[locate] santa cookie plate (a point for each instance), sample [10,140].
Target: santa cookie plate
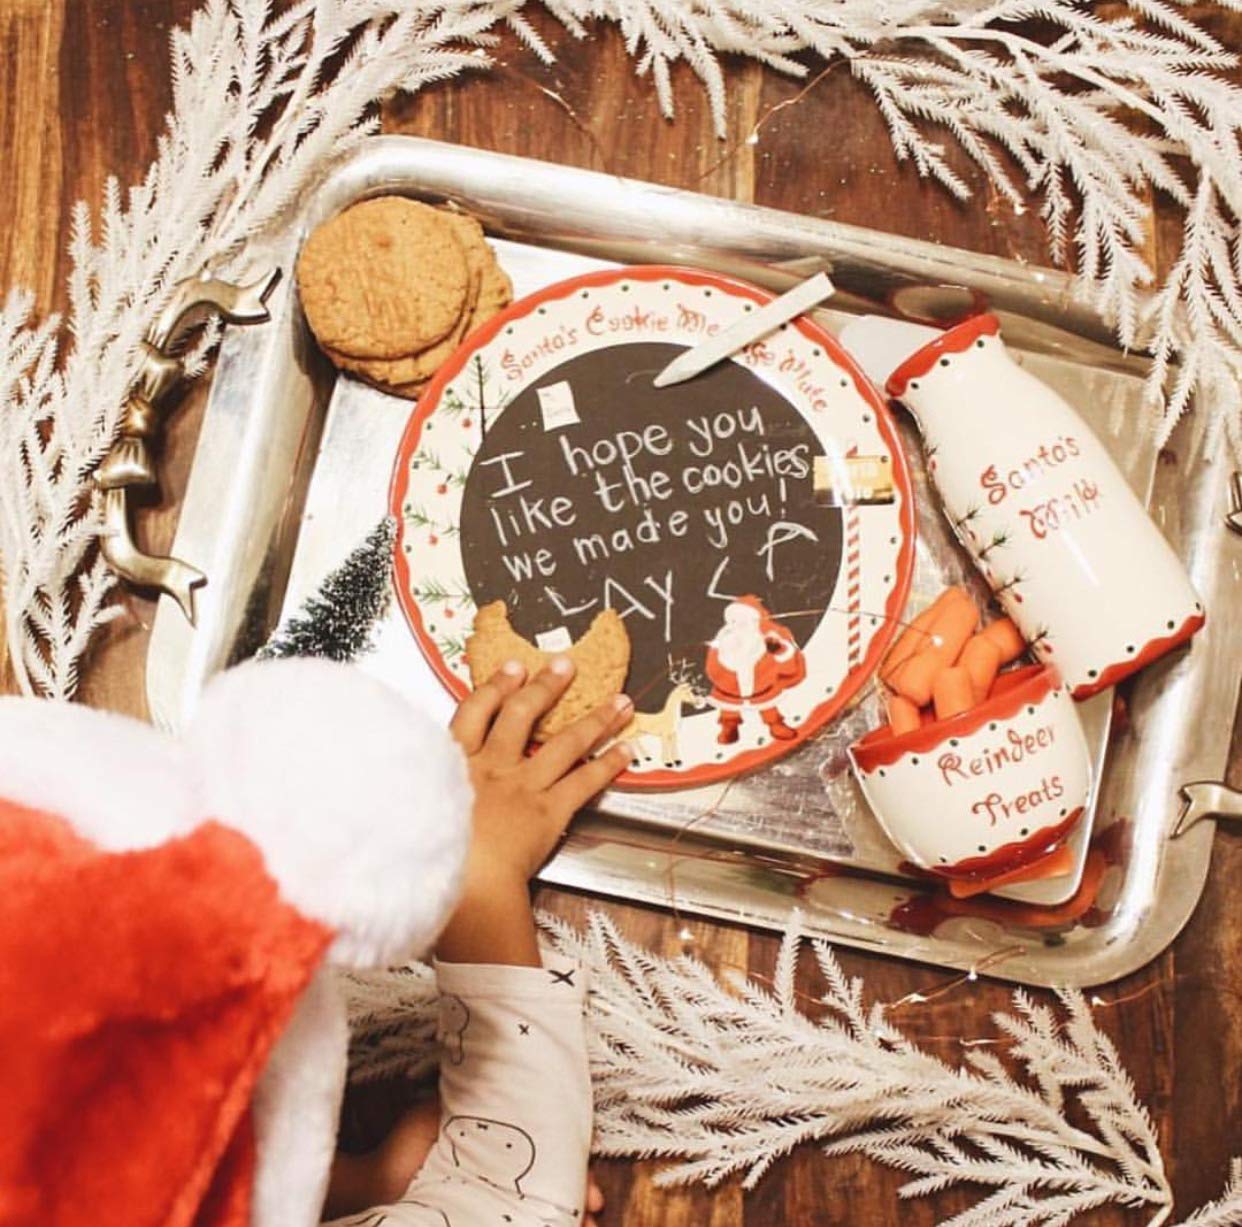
[753,526]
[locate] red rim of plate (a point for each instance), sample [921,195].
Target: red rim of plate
[854,679]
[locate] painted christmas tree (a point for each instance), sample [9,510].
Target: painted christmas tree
[338,620]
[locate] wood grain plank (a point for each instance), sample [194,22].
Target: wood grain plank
[589,109]
[115,92]
[1204,1046]
[85,96]
[823,150]
[1201,1043]
[1202,1125]
[30,147]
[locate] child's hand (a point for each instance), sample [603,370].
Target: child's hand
[522,803]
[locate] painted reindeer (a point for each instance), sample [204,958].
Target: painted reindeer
[666,723]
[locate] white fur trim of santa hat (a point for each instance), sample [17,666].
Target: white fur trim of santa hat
[119,783]
[296,1107]
[359,802]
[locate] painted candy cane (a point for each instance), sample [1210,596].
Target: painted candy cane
[853,576]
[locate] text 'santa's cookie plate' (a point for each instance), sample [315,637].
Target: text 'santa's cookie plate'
[753,528]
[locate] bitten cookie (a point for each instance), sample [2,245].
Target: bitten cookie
[601,657]
[356,274]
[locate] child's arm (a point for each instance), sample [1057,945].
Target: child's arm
[510,1031]
[522,805]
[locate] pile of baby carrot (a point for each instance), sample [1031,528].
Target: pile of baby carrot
[944,664]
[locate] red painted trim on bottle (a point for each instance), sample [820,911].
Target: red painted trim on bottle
[954,340]
[1152,650]
[1013,690]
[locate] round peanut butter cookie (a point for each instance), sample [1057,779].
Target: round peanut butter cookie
[408,391]
[602,657]
[391,374]
[388,373]
[469,231]
[384,279]
[495,292]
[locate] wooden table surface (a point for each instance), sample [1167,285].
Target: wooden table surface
[85,88]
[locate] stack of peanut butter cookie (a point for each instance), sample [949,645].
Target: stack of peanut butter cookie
[390,287]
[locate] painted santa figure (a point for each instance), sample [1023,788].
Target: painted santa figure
[751,662]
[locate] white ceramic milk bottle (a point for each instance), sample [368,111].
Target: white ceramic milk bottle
[1047,516]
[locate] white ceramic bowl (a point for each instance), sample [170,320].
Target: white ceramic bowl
[985,792]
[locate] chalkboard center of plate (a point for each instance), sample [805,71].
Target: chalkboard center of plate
[594,489]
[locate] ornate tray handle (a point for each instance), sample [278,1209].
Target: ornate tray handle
[130,461]
[1234,516]
[1207,799]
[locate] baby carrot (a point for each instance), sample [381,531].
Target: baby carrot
[954,627]
[1005,635]
[952,692]
[951,630]
[956,617]
[914,680]
[981,658]
[903,716]
[917,635]
[1034,915]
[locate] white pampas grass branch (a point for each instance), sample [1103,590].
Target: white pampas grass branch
[723,1076]
[1085,121]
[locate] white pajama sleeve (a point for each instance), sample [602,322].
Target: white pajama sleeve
[515,1089]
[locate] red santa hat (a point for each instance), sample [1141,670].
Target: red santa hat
[169,913]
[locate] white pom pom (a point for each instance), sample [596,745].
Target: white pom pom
[119,783]
[359,802]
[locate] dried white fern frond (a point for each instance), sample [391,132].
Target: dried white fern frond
[1226,1211]
[722,1076]
[1095,113]
[392,1022]
[725,1077]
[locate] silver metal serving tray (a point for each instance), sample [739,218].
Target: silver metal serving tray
[293,468]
